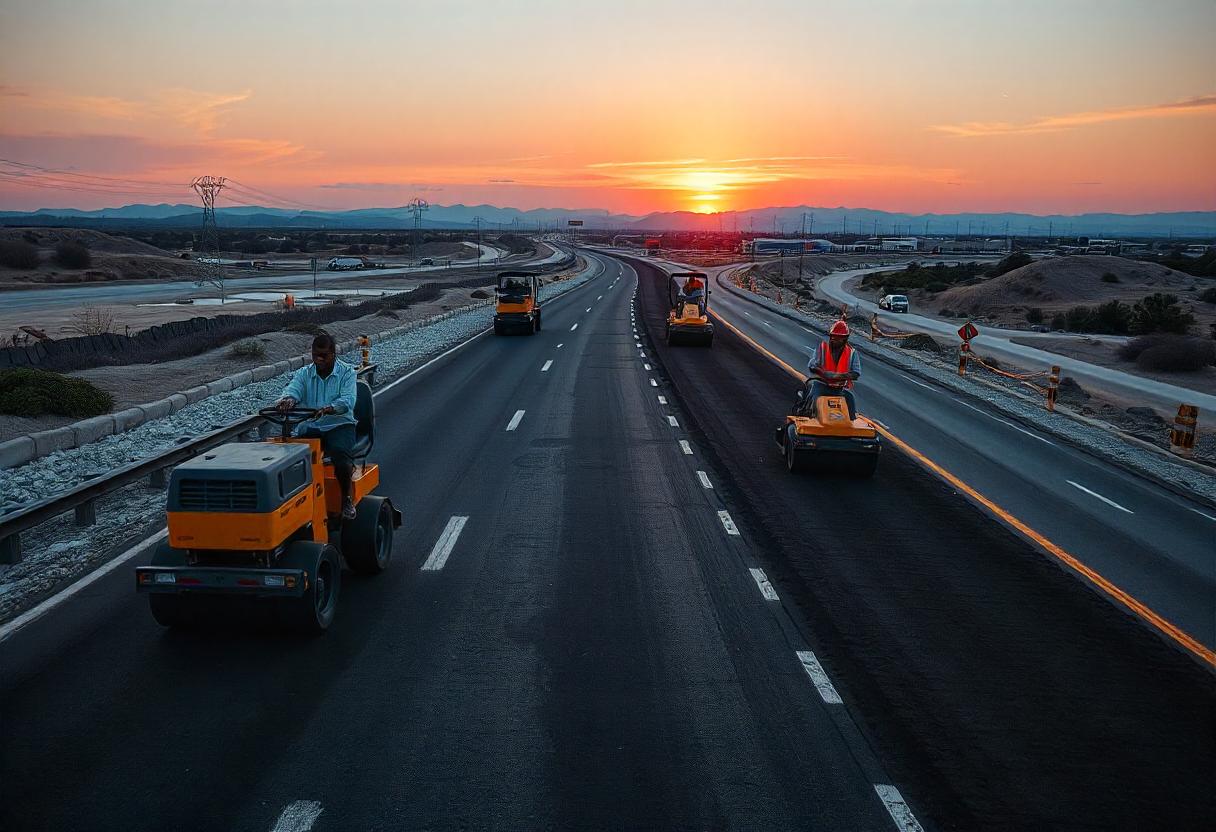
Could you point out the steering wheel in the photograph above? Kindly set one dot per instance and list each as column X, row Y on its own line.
column 288, row 418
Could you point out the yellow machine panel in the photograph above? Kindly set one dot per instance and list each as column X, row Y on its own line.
column 833, row 420
column 239, row 531
column 363, row 482
column 526, row 306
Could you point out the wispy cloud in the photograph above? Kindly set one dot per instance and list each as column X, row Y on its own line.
column 499, row 181
column 201, row 111
column 647, row 164
column 1201, row 105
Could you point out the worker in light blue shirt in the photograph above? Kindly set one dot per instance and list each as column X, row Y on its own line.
column 328, row 387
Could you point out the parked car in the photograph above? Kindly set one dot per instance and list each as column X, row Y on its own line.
column 426, row 261
column 894, row 303
column 344, row 264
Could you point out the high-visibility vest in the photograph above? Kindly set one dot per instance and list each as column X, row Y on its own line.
column 841, row 364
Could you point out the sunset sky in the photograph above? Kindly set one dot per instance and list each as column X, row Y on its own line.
column 942, row 105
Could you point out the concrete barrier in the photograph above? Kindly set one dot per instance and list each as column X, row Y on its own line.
column 90, row 430
column 176, row 401
column 220, row 385
column 17, row 451
column 196, row 394
column 124, row 420
column 56, row 439
column 156, row 410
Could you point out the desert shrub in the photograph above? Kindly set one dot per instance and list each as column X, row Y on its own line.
column 946, row 313
column 387, row 313
column 933, row 287
column 1178, row 354
column 247, row 349
column 1160, row 312
column 72, row 254
column 1112, row 318
column 1079, row 319
column 29, row 392
column 1034, row 315
column 1132, row 349
column 1110, row 277
column 1208, row 295
column 288, row 246
column 479, row 294
column 251, row 247
column 1059, row 321
column 18, row 254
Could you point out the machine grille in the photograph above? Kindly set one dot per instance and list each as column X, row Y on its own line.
column 218, row 495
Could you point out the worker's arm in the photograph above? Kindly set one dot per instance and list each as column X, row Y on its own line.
column 345, row 402
column 294, row 391
column 814, row 367
column 854, row 366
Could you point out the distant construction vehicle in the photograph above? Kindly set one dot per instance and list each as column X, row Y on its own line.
column 345, row 264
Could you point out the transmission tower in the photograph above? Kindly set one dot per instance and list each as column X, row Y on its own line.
column 210, row 271
column 416, row 206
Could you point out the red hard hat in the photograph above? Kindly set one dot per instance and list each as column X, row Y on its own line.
column 839, row 328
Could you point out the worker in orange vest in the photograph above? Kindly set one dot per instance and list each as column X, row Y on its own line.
column 694, row 291
column 832, row 370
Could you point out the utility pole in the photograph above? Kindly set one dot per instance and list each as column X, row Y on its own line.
column 802, row 248
column 477, row 221
column 212, row 273
column 416, row 206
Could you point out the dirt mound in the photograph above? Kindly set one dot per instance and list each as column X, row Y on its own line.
column 920, row 341
column 1059, row 282
column 95, row 241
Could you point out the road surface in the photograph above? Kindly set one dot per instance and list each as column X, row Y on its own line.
column 610, row 608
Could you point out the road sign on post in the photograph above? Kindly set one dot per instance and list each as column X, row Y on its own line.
column 967, row 331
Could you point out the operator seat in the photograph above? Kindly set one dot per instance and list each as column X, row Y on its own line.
column 365, row 422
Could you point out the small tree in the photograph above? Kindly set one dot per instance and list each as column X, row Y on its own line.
column 288, row 246
column 1114, row 318
column 1160, row 312
column 92, row 320
column 1034, row 315
column 72, row 254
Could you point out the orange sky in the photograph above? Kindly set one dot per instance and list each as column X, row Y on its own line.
column 942, row 105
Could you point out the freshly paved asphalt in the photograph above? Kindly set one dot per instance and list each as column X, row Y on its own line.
column 1154, row 544
column 595, row 652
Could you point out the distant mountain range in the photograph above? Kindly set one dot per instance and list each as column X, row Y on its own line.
column 819, row 221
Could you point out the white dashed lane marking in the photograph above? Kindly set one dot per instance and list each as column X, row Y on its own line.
column 1006, row 423
column 1106, row 500
column 548, row 364
column 728, row 523
column 905, row 821
column 766, row 588
column 819, row 678
column 574, row 327
column 647, row 366
column 920, row 383
column 298, row 816
column 515, row 420
column 662, row 400
column 685, row 447
column 671, row 420
column 654, row 383
column 444, row 545
column 704, row 478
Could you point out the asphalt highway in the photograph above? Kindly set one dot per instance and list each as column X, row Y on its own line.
column 71, row 295
column 572, row 635
column 1154, row 544
column 1003, row 692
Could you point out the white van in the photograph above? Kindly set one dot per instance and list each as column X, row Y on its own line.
column 343, row 264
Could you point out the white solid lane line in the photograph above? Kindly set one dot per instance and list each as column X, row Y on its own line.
column 819, row 678
column 767, row 324
column 298, row 816
column 1106, row 500
column 445, row 544
column 766, row 589
column 574, row 327
column 704, row 478
column 515, row 420
column 548, row 364
column 920, row 383
column 30, row 616
column 728, row 524
column 685, row 447
column 905, row 821
column 671, row 420
column 804, row 329
column 1006, row 423
column 748, row 314
column 662, row 400
column 1201, row 514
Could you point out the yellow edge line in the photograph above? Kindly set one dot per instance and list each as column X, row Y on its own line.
column 1186, row 641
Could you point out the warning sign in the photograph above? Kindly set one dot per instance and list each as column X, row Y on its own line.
column 967, row 331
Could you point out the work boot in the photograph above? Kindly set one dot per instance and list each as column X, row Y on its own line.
column 348, row 509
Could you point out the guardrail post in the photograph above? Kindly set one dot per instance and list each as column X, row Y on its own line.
column 963, row 351
column 365, row 344
column 10, row 549
column 1182, row 435
column 86, row 513
column 1053, row 388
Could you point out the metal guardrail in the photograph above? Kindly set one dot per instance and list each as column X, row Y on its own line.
column 83, row 497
